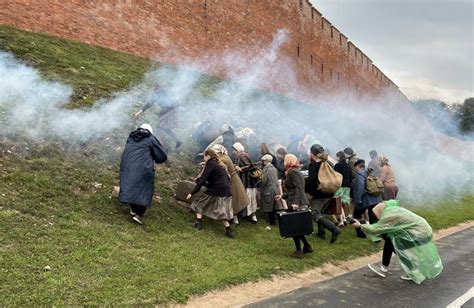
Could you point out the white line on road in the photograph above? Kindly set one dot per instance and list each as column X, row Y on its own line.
column 462, row 299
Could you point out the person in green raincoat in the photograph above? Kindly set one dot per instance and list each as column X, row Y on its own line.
column 412, row 239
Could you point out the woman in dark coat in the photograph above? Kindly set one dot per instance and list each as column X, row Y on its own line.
column 137, row 170
column 216, row 202
column 296, row 199
column 240, row 200
column 269, row 188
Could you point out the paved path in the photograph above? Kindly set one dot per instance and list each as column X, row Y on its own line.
column 362, row 288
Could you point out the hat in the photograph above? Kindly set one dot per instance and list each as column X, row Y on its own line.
column 147, row 127
column 316, row 149
column 219, row 149
column 267, row 157
column 238, row 147
column 359, row 161
column 348, row 152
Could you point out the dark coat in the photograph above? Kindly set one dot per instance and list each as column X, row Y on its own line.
column 280, row 167
column 269, row 188
column 346, row 172
column 312, row 183
column 294, row 184
column 242, row 160
column 216, row 180
column 362, row 199
column 137, row 168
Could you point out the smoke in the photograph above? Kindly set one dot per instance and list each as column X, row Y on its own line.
column 34, row 106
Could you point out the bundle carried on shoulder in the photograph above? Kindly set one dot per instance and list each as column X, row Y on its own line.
column 373, row 185
column 329, row 180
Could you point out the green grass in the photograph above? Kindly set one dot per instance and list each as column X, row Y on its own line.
column 93, row 72
column 54, row 214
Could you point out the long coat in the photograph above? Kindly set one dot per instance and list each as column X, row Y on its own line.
column 137, row 168
column 240, row 200
column 269, row 188
column 294, row 184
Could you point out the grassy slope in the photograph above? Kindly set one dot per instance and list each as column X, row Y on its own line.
column 53, row 215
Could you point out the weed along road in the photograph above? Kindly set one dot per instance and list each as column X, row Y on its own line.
column 362, row 288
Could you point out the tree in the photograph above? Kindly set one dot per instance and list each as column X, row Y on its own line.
column 466, row 114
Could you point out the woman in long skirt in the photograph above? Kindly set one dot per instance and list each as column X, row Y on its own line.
column 216, row 202
column 240, row 200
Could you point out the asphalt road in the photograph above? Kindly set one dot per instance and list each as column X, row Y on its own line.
column 363, row 288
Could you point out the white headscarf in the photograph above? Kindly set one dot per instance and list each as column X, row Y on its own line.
column 219, row 149
column 238, row 147
column 147, row 127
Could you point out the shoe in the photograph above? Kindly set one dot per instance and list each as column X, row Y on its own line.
column 341, row 225
column 383, row 269
column 132, row 212
column 297, row 254
column 373, row 269
column 229, row 233
column 235, row 220
column 405, row 277
column 197, row 225
column 138, row 219
column 335, row 234
column 307, row 249
column 321, row 236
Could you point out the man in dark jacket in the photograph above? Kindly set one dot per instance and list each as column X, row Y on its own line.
column 137, row 170
column 320, row 200
column 362, row 200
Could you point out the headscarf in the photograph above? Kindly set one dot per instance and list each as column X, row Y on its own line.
column 384, row 161
column 290, row 162
column 238, row 147
column 147, row 127
column 219, row 149
column 246, row 132
column 267, row 157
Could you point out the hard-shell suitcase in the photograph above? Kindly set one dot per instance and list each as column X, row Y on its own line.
column 184, row 188
column 295, row 223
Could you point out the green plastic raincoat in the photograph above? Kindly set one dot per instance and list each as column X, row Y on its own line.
column 412, row 239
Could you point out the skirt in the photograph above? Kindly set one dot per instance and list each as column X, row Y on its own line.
column 218, row 208
column 252, row 207
column 390, row 192
column 345, row 195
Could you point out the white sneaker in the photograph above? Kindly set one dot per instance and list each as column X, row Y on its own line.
column 132, row 212
column 383, row 269
column 138, row 219
column 375, row 270
column 405, row 277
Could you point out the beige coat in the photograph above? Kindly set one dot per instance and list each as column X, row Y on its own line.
column 387, row 175
column 240, row 200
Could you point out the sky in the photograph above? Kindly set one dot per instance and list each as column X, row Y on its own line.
column 424, row 46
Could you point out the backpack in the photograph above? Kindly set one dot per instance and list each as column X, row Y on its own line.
column 329, row 180
column 373, row 185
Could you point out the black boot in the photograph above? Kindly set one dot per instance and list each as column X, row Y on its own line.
column 331, row 227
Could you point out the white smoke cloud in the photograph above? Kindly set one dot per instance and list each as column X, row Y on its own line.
column 387, row 125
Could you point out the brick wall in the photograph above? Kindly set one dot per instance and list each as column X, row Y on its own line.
column 186, row 31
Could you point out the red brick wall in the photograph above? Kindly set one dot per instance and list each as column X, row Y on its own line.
column 186, row 31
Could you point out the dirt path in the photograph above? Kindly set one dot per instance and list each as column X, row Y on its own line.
column 243, row 294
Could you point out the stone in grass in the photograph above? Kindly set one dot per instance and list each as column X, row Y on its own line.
column 47, row 268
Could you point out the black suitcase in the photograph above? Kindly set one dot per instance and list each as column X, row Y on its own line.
column 295, row 223
column 184, row 188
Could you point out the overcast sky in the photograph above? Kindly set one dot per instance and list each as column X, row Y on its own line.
column 424, row 46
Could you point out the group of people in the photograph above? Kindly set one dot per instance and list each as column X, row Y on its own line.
column 237, row 185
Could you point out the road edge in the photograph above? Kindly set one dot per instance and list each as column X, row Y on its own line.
column 251, row 292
